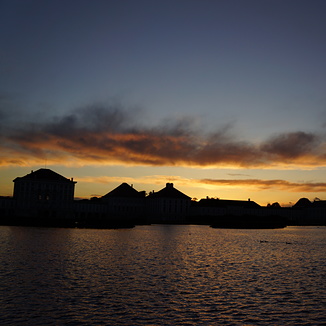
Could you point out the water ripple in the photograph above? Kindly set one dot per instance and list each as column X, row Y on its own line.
column 162, row 275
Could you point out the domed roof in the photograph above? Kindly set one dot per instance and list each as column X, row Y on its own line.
column 302, row 202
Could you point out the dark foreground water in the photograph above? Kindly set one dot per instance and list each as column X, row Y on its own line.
column 163, row 275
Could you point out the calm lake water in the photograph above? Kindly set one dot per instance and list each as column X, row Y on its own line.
column 163, row 275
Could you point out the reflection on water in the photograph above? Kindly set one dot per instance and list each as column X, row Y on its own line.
column 162, row 275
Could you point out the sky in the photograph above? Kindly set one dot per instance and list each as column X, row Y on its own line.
column 225, row 98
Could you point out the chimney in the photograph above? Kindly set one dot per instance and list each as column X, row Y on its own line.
column 169, row 185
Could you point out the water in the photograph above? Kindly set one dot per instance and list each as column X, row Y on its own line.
column 162, row 275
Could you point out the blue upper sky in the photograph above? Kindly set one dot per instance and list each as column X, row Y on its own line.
column 258, row 63
column 254, row 68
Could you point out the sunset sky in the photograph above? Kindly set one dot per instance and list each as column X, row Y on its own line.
column 224, row 98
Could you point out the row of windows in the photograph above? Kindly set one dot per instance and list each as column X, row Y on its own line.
column 37, row 185
column 43, row 196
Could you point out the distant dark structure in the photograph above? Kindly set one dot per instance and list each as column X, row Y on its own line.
column 46, row 198
column 218, row 207
column 305, row 212
column 169, row 205
column 125, row 201
column 303, row 203
column 44, row 185
column 44, row 193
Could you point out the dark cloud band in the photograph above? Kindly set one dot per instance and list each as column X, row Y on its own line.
column 107, row 134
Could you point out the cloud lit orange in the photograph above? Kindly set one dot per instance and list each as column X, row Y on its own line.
column 98, row 135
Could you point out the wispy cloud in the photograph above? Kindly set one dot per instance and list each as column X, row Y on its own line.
column 110, row 135
column 269, row 184
column 253, row 184
column 238, row 175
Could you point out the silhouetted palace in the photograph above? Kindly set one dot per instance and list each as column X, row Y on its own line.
column 46, row 198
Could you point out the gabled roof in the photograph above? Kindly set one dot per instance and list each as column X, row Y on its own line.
column 212, row 202
column 124, row 190
column 44, row 175
column 169, row 192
